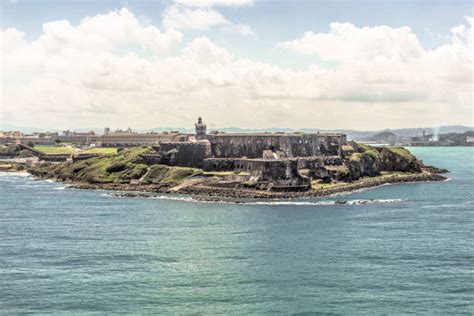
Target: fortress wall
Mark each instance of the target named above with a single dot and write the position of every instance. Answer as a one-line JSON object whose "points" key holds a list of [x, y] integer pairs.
{"points": [[331, 144], [252, 146], [313, 162], [219, 164], [187, 155], [248, 165], [124, 140], [305, 145], [237, 146], [152, 159], [280, 172], [54, 157]]}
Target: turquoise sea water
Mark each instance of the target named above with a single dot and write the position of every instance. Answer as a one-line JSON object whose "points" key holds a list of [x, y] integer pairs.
{"points": [[73, 251]]}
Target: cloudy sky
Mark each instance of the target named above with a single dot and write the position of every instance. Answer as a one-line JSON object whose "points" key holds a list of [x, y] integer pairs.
{"points": [[254, 64]]}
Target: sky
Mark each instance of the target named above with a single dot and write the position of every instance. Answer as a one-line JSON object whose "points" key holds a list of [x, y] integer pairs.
{"points": [[364, 65]]}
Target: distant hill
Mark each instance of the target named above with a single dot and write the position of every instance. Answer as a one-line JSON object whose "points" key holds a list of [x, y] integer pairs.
{"points": [[383, 137], [431, 130]]}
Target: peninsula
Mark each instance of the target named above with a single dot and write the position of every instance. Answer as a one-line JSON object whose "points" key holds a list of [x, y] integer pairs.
{"points": [[237, 165]]}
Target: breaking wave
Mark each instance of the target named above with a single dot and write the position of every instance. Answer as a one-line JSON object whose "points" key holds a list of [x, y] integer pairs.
{"points": [[14, 174], [249, 202], [324, 203]]}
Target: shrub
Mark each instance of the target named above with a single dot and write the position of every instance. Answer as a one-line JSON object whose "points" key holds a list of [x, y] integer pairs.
{"points": [[356, 157], [372, 154]]}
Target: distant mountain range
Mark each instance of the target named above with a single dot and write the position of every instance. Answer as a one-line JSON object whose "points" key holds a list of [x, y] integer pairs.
{"points": [[351, 134]]}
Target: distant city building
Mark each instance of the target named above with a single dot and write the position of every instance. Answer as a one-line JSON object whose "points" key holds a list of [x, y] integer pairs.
{"points": [[76, 137], [128, 138], [12, 137], [10, 134]]}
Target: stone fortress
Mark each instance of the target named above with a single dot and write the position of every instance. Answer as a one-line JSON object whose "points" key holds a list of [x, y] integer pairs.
{"points": [[272, 160]]}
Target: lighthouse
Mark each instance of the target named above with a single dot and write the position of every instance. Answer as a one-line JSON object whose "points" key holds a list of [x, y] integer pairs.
{"points": [[200, 129]]}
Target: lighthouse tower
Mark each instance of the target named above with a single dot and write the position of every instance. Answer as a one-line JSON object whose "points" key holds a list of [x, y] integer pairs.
{"points": [[200, 129]]}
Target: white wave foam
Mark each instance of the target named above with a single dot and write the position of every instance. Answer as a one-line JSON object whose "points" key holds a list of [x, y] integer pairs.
{"points": [[14, 174], [270, 202], [325, 203]]}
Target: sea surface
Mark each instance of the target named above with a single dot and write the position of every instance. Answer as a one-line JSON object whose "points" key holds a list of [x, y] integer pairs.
{"points": [[409, 250]]}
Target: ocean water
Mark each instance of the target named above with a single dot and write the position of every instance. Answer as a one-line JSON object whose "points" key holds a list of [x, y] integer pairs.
{"points": [[409, 251]]}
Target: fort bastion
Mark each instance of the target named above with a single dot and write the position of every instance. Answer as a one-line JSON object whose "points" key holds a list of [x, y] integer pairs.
{"points": [[268, 158]]}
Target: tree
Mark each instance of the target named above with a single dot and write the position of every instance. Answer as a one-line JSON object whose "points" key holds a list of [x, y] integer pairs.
{"points": [[31, 144]]}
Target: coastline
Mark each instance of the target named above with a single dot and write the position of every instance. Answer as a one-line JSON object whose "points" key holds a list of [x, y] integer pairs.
{"points": [[342, 189], [237, 193], [359, 167]]}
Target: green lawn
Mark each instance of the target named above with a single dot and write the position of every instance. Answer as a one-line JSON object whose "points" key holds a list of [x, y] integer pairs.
{"points": [[101, 150], [401, 151], [54, 150]]}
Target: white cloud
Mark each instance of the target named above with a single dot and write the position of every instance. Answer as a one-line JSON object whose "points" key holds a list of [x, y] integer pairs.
{"points": [[348, 43], [203, 51], [105, 32], [113, 69], [242, 29], [180, 17], [212, 3], [199, 15], [384, 64]]}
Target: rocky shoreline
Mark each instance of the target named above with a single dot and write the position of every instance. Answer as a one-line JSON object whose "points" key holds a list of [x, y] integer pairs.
{"points": [[358, 167], [236, 193], [346, 188]]}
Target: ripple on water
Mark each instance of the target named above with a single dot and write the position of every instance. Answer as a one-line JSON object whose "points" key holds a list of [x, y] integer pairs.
{"points": [[404, 249]]}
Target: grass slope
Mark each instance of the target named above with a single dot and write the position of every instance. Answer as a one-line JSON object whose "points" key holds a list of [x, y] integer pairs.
{"points": [[123, 167], [100, 150], [54, 149]]}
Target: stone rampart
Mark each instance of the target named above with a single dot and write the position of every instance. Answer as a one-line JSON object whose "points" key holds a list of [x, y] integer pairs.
{"points": [[278, 173], [184, 154], [219, 164], [151, 159], [253, 146], [313, 162], [130, 140], [54, 157]]}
